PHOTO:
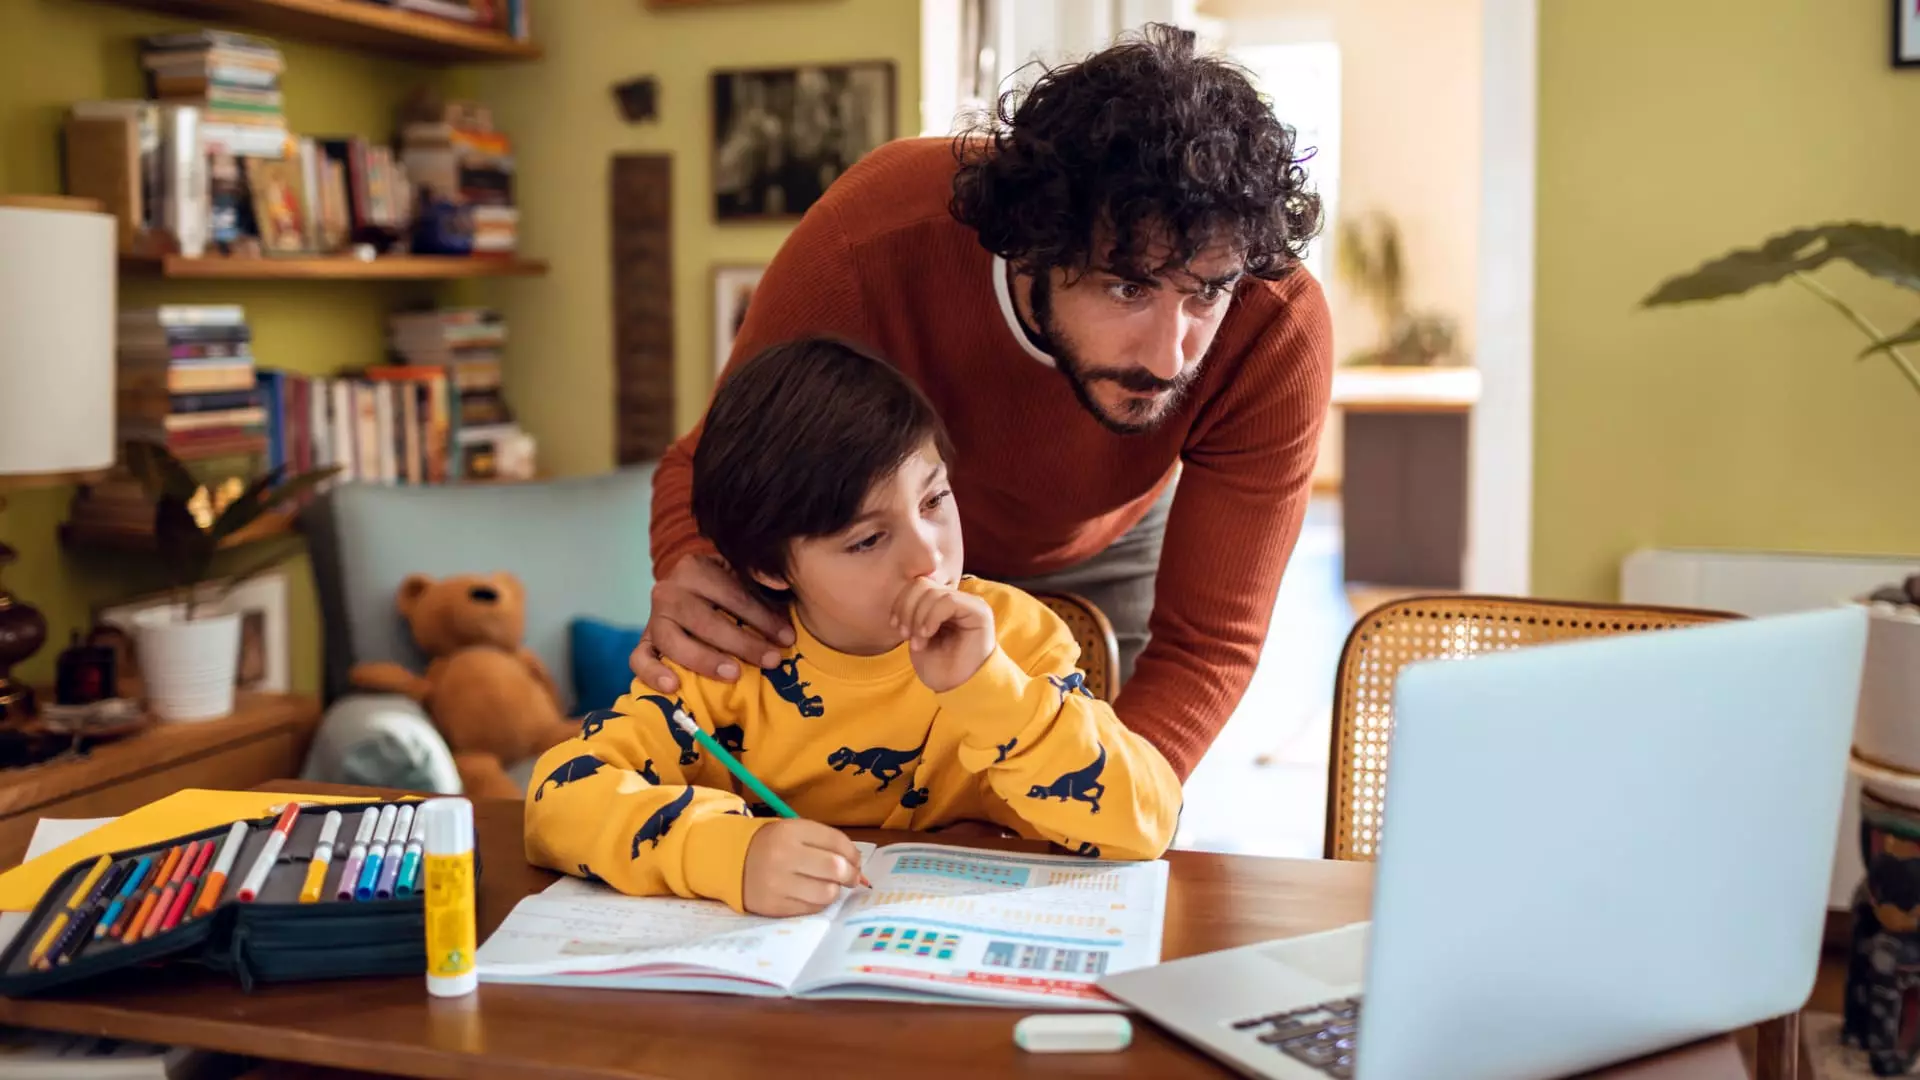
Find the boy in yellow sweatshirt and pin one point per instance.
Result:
(915, 696)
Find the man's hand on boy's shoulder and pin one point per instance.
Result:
(704, 620)
(950, 633)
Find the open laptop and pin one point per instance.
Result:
(1591, 851)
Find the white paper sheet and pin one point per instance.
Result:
(50, 833)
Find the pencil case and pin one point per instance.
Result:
(181, 909)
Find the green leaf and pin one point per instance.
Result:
(1884, 251)
(247, 506)
(264, 494)
(1910, 334)
(180, 542)
(272, 553)
(1888, 253)
(1740, 270)
(160, 474)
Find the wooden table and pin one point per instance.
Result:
(391, 1026)
(266, 737)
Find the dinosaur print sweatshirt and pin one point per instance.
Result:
(851, 741)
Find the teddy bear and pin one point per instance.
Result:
(489, 695)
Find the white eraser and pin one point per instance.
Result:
(1073, 1033)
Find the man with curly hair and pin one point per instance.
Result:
(1100, 290)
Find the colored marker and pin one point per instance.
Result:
(128, 929)
(216, 882)
(410, 862)
(358, 854)
(376, 853)
(269, 851)
(321, 858)
(161, 906)
(76, 937)
(75, 901)
(80, 930)
(390, 865)
(187, 885)
(127, 887)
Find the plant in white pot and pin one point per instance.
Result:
(1888, 730)
(189, 651)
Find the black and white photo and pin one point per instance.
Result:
(781, 135)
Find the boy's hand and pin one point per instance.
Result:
(797, 867)
(950, 633)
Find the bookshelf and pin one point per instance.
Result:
(331, 267)
(370, 27)
(358, 24)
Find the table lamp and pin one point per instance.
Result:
(58, 277)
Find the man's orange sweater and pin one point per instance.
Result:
(1039, 483)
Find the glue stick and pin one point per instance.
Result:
(448, 871)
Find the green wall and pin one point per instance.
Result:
(1669, 133)
(566, 128)
(53, 52)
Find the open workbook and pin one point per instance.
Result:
(940, 923)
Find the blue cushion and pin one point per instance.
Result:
(601, 672)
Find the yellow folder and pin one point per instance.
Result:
(185, 811)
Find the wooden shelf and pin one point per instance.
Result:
(333, 267)
(357, 24)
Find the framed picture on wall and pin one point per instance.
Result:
(1906, 33)
(732, 288)
(781, 135)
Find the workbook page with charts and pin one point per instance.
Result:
(940, 923)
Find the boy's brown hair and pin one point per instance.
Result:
(794, 440)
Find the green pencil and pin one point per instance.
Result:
(733, 765)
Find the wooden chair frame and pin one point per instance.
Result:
(1099, 648)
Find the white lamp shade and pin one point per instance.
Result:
(57, 321)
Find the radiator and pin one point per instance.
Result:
(1767, 583)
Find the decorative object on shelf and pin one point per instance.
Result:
(1906, 33)
(1368, 259)
(781, 135)
(638, 99)
(1882, 999)
(84, 673)
(189, 650)
(57, 284)
(732, 290)
(640, 206)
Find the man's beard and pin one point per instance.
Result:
(1137, 417)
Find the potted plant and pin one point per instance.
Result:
(1888, 729)
(189, 651)
(1367, 258)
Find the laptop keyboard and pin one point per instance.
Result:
(1320, 1035)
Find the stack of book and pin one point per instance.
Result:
(453, 155)
(233, 79)
(186, 381)
(434, 414)
(464, 344)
